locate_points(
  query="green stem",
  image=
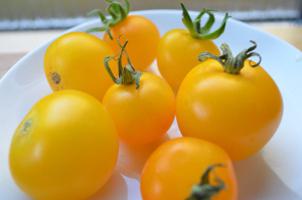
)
(231, 64)
(203, 32)
(117, 11)
(126, 75)
(205, 190)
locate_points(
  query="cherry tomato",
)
(143, 38)
(178, 49)
(75, 61)
(181, 169)
(142, 33)
(66, 147)
(230, 101)
(142, 105)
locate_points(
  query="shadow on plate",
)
(256, 180)
(116, 183)
(132, 158)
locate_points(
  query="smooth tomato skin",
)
(175, 166)
(238, 112)
(75, 61)
(141, 115)
(178, 53)
(66, 147)
(143, 37)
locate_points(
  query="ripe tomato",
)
(75, 61)
(178, 49)
(174, 170)
(65, 148)
(230, 102)
(142, 105)
(142, 33)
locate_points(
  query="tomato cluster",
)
(227, 108)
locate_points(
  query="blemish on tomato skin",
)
(56, 78)
(26, 126)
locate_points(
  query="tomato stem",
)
(117, 12)
(202, 32)
(231, 64)
(204, 190)
(126, 75)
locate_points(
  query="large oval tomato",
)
(142, 33)
(75, 61)
(65, 148)
(178, 170)
(142, 105)
(236, 106)
(178, 49)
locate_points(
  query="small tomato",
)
(178, 49)
(75, 61)
(142, 105)
(182, 169)
(142, 33)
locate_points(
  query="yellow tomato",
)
(75, 61)
(178, 170)
(66, 147)
(143, 38)
(178, 49)
(236, 106)
(178, 53)
(141, 115)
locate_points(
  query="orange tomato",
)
(175, 169)
(237, 106)
(142, 105)
(142, 33)
(143, 38)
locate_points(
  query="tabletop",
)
(14, 45)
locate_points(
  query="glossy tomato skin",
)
(175, 166)
(178, 53)
(143, 37)
(239, 112)
(141, 115)
(75, 61)
(65, 148)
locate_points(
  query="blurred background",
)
(51, 14)
(25, 24)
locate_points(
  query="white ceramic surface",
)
(273, 174)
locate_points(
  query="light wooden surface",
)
(14, 45)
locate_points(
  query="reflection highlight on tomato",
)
(66, 147)
(230, 101)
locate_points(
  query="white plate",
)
(273, 174)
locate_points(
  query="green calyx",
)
(205, 190)
(126, 75)
(203, 32)
(117, 12)
(231, 64)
